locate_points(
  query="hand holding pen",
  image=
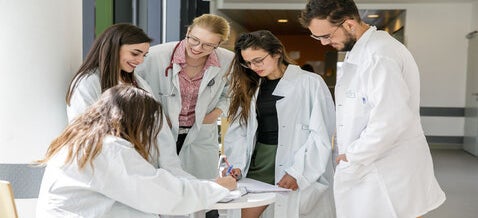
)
(236, 173)
(231, 171)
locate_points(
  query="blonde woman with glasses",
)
(188, 79)
(282, 121)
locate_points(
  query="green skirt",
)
(263, 163)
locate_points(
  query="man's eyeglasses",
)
(258, 62)
(194, 41)
(328, 36)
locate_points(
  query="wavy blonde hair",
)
(213, 23)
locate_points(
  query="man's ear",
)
(350, 25)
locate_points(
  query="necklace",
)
(202, 62)
(195, 66)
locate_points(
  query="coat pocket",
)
(312, 197)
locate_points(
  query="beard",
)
(349, 42)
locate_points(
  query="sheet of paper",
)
(234, 194)
(254, 186)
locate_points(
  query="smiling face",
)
(201, 42)
(131, 55)
(261, 62)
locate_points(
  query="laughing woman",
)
(112, 60)
(188, 78)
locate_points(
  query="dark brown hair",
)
(335, 11)
(244, 81)
(104, 56)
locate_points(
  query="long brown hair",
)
(244, 81)
(123, 111)
(104, 57)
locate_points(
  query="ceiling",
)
(267, 19)
(357, 1)
(243, 12)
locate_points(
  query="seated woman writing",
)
(105, 164)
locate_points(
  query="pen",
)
(229, 169)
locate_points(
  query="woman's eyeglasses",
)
(194, 41)
(258, 62)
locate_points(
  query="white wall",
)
(40, 49)
(474, 20)
(435, 35)
(235, 28)
(40, 45)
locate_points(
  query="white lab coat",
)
(122, 184)
(88, 91)
(389, 172)
(200, 152)
(306, 119)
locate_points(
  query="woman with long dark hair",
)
(112, 60)
(282, 121)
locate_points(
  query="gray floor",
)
(457, 173)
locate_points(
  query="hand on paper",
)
(341, 157)
(228, 182)
(288, 182)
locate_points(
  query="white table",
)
(233, 208)
(246, 201)
(260, 194)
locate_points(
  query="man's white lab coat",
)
(389, 172)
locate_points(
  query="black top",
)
(267, 130)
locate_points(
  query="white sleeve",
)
(311, 159)
(121, 174)
(87, 92)
(235, 146)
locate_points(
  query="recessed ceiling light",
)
(373, 16)
(282, 20)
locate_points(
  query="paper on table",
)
(234, 194)
(254, 186)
